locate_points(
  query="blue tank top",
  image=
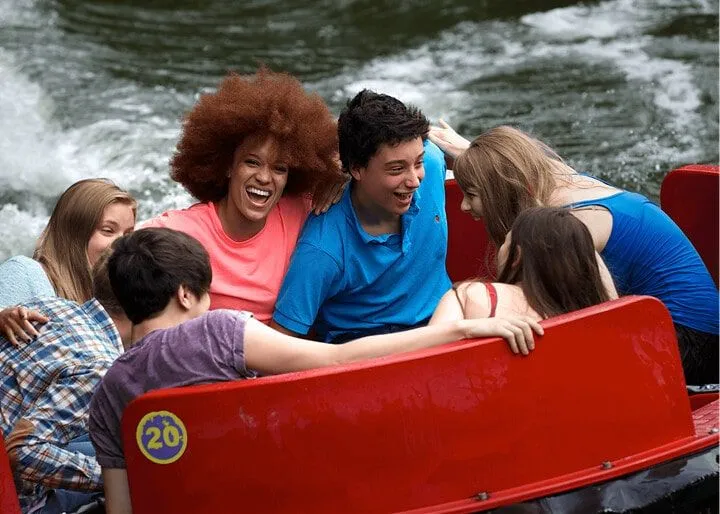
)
(648, 254)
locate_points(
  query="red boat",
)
(598, 418)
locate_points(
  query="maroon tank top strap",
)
(492, 293)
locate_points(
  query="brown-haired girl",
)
(547, 266)
(253, 153)
(505, 171)
(87, 218)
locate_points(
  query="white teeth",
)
(257, 191)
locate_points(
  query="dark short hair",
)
(552, 255)
(147, 267)
(102, 288)
(370, 120)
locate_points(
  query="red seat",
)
(470, 253)
(8, 496)
(689, 195)
(429, 429)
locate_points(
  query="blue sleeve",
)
(312, 277)
(22, 278)
(434, 161)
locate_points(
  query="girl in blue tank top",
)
(504, 171)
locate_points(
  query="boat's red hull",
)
(460, 428)
(433, 430)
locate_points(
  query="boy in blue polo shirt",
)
(375, 262)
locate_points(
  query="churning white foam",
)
(586, 31)
(39, 158)
(439, 75)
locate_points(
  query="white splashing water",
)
(131, 145)
(612, 34)
(674, 89)
(48, 158)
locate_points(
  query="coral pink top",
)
(246, 274)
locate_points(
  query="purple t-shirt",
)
(200, 351)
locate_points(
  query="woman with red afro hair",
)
(257, 154)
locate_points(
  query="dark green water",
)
(626, 89)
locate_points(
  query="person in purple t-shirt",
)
(161, 278)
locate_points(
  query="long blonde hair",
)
(62, 246)
(509, 171)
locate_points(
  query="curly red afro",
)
(266, 103)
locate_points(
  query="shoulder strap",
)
(492, 293)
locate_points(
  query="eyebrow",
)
(282, 162)
(403, 161)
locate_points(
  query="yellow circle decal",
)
(161, 436)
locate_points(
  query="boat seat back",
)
(689, 195)
(8, 496)
(419, 429)
(470, 253)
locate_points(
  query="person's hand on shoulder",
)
(328, 194)
(449, 141)
(15, 323)
(516, 330)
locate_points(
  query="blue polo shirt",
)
(342, 279)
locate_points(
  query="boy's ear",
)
(356, 172)
(184, 297)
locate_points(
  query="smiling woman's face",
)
(471, 204)
(257, 181)
(117, 220)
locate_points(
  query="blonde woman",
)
(87, 218)
(505, 171)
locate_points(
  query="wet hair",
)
(552, 256)
(147, 267)
(102, 288)
(266, 104)
(62, 246)
(509, 171)
(370, 120)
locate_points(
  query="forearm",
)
(117, 491)
(451, 143)
(54, 467)
(409, 340)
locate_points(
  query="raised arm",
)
(271, 352)
(449, 141)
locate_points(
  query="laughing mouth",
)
(257, 194)
(404, 197)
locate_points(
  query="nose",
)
(465, 205)
(414, 178)
(263, 174)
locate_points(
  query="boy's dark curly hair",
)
(370, 120)
(266, 103)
